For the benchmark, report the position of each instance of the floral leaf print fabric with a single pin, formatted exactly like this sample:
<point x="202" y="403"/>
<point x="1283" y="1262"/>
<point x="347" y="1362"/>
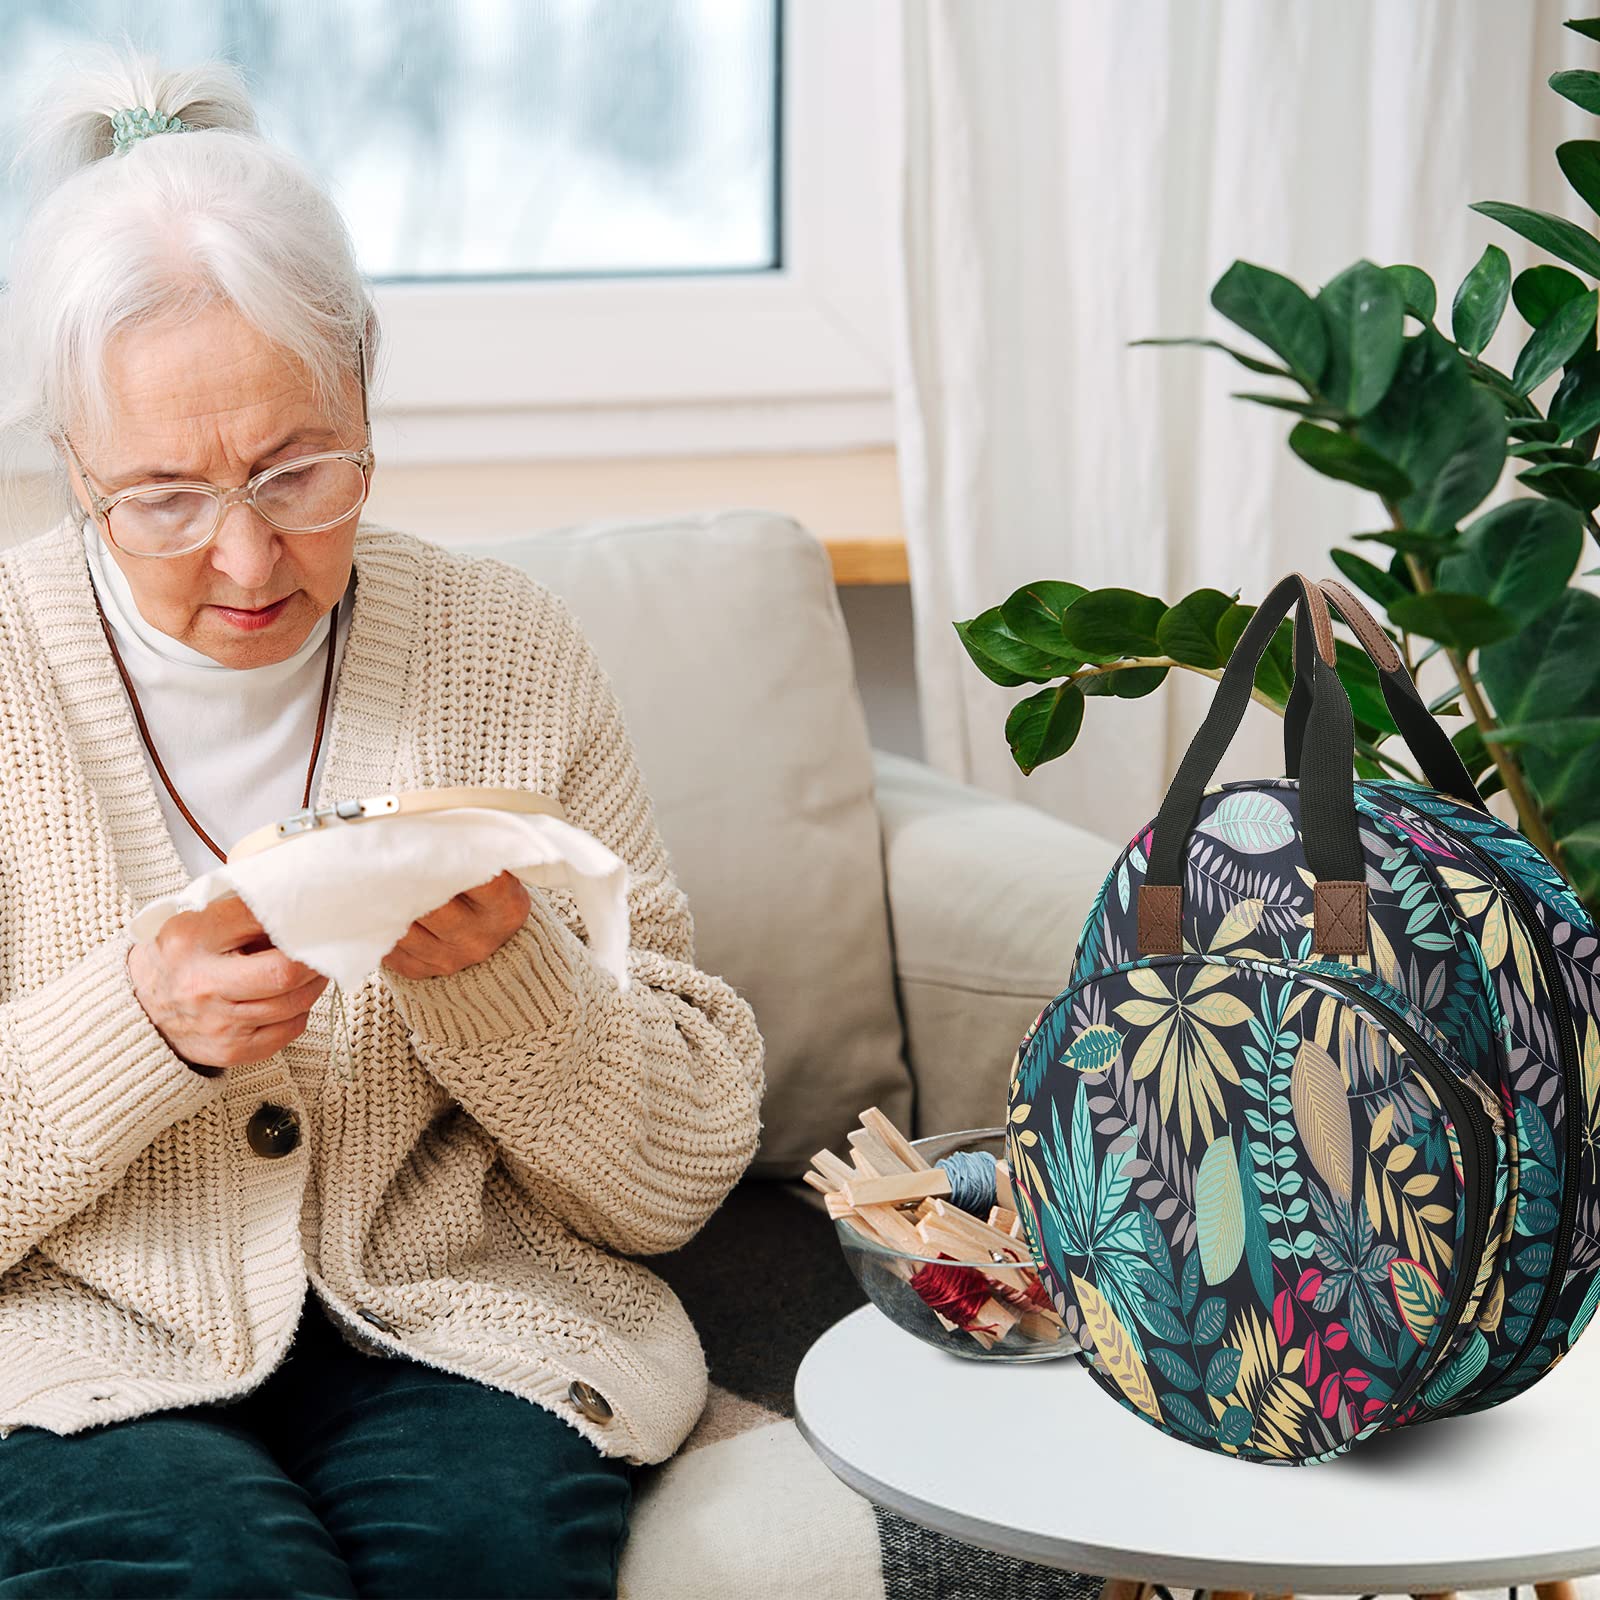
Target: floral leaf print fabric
<point x="1472" y="930"/>
<point x="1334" y="1260"/>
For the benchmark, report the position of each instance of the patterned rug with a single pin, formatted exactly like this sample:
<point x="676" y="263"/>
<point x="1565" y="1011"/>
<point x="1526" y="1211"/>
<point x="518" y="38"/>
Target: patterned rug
<point x="763" y="1280"/>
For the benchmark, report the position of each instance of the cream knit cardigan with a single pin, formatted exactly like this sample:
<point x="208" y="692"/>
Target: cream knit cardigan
<point x="513" y="1133"/>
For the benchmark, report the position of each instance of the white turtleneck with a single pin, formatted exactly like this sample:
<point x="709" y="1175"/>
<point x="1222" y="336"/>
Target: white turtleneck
<point x="234" y="740"/>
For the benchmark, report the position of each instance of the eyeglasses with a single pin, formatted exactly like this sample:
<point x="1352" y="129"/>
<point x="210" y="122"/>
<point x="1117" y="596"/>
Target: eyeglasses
<point x="303" y="495"/>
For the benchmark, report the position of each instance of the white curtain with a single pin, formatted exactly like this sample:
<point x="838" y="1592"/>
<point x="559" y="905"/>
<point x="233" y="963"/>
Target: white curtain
<point x="1076" y="174"/>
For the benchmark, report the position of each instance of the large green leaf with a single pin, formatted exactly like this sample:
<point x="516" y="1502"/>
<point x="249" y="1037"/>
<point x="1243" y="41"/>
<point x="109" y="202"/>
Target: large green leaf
<point x="1033" y="614"/>
<point x="1518" y="557"/>
<point x="1406" y="540"/>
<point x="1555" y="341"/>
<point x="1540" y="290"/>
<point x="1044" y="725"/>
<point x="1417" y="291"/>
<point x="1267" y="368"/>
<point x="1496" y="383"/>
<point x="1580" y="162"/>
<point x="1480" y="302"/>
<point x="1577" y="486"/>
<point x="1549" y="670"/>
<point x="1555" y="234"/>
<point x="1581" y="88"/>
<point x="999" y="654"/>
<point x="1106" y="623"/>
<point x="1124" y="683"/>
<point x="1533" y="451"/>
<point x="1589" y="27"/>
<point x="1301" y="408"/>
<point x="1343" y="456"/>
<point x="1532" y="428"/>
<point x="1365" y="317"/>
<point x="1560" y="735"/>
<point x="1371" y="580"/>
<point x="1462" y="621"/>
<point x="1278" y="312"/>
<point x="1188" y="632"/>
<point x="1575" y="407"/>
<point x="1444" y="432"/>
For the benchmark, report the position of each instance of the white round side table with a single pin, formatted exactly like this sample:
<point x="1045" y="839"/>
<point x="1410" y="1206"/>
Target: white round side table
<point x="1035" y="1461"/>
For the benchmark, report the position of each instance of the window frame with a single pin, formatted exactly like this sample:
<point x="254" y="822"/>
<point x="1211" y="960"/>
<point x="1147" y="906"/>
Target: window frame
<point x="795" y="358"/>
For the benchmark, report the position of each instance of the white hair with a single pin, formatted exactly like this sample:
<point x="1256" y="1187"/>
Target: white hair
<point x="174" y="223"/>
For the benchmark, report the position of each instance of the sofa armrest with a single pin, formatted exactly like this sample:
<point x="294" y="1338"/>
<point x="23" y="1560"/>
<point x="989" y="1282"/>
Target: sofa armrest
<point x="987" y="898"/>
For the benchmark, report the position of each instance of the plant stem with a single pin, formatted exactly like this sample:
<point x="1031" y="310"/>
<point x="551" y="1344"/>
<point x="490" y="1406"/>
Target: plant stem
<point x="1128" y="663"/>
<point x="1529" y="811"/>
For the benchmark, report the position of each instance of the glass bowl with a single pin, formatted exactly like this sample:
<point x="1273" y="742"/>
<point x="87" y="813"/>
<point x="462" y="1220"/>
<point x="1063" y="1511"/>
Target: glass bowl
<point x="887" y="1274"/>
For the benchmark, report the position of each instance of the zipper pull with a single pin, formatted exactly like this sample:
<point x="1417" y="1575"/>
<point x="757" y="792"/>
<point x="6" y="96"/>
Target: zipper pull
<point x="1490" y="1100"/>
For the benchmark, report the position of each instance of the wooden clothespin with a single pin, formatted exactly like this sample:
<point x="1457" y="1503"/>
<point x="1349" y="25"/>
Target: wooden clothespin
<point x="893" y="1196"/>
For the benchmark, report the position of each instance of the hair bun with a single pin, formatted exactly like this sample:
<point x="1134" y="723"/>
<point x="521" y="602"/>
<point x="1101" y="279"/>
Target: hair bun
<point x="69" y="125"/>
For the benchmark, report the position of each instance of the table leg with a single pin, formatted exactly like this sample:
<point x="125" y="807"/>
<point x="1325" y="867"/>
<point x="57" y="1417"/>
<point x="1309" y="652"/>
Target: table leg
<point x="1556" y="1591"/>
<point x="1436" y="1594"/>
<point x="1125" y="1589"/>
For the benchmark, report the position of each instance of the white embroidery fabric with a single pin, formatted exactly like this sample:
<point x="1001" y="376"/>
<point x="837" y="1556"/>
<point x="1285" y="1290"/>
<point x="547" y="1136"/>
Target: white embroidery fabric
<point x="340" y="897"/>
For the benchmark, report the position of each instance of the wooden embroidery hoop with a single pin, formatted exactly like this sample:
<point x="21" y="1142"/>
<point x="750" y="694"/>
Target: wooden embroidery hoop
<point x="400" y="804"/>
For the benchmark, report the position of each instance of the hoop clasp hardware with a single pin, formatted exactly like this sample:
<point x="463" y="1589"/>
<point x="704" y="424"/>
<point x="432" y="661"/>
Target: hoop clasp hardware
<point x="382" y="805"/>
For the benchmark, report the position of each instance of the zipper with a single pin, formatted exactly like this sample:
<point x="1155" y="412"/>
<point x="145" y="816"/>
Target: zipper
<point x="1477" y="1111"/>
<point x="1566" y="1038"/>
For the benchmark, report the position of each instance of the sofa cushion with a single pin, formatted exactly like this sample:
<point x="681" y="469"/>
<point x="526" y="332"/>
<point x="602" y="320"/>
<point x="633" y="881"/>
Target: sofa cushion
<point x="723" y="639"/>
<point x="988" y="897"/>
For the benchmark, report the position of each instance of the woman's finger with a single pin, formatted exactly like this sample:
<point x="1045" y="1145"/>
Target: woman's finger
<point x="265" y="1041"/>
<point x="264" y="976"/>
<point x="279" y="1008"/>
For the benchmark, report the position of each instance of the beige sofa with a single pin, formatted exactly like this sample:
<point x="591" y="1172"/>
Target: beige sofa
<point x="895" y="933"/>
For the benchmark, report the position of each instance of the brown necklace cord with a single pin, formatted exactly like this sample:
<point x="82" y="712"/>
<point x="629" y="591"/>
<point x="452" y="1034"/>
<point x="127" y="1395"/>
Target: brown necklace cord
<point x="149" y="743"/>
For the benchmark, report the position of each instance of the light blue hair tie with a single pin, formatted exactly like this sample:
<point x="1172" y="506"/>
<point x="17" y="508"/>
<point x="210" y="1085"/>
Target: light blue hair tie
<point x="136" y="122"/>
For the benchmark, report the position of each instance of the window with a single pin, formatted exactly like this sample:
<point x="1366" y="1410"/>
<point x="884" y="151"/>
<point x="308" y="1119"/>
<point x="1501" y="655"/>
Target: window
<point x="593" y="226"/>
<point x="526" y="138"/>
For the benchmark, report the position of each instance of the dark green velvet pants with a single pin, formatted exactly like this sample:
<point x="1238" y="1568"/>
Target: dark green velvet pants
<point x="343" y="1474"/>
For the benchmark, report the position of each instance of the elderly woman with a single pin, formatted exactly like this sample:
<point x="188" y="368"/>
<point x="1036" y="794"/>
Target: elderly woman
<point x="209" y="639"/>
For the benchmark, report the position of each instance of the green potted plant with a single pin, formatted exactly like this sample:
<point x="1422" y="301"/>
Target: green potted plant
<point x="1392" y="396"/>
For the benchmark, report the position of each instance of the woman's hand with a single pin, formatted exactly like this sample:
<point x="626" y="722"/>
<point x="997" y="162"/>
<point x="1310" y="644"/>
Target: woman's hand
<point x="220" y="993"/>
<point x="465" y="930"/>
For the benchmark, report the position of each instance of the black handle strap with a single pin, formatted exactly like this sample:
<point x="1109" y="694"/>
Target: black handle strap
<point x="1439" y="759"/>
<point x="1327" y="795"/>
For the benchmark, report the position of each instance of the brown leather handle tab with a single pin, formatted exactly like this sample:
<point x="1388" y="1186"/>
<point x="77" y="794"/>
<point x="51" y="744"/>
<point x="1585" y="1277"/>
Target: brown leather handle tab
<point x="1160" y="919"/>
<point x="1321" y="625"/>
<point x="1338" y="918"/>
<point x="1362" y="624"/>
